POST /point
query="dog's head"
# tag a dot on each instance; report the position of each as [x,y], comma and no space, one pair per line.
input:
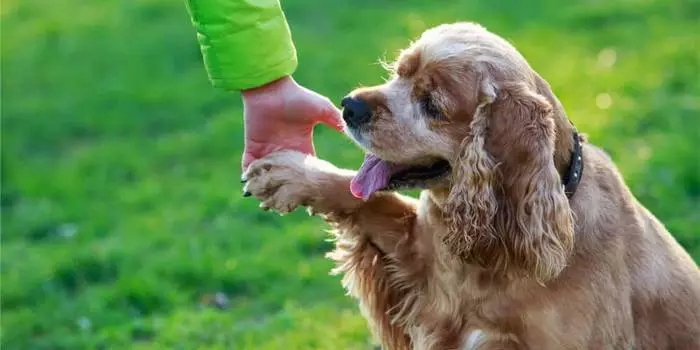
[463,110]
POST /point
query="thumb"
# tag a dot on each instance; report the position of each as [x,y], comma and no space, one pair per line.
[246,160]
[332,117]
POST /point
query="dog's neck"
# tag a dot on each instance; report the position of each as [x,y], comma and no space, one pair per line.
[438,196]
[564,144]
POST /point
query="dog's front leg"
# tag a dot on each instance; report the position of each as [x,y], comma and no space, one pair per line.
[285,180]
[375,240]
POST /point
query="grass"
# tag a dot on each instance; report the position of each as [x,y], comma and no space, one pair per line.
[122,220]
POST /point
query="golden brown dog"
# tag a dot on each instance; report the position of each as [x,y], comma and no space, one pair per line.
[525,237]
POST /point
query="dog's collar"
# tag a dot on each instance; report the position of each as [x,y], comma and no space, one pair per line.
[575,171]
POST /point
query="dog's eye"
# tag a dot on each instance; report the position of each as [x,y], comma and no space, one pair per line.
[431,109]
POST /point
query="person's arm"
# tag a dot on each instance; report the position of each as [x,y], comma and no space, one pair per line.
[247,47]
[245,43]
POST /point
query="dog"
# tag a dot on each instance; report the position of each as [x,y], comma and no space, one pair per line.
[525,235]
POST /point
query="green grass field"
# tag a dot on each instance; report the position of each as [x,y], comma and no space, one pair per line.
[123,224]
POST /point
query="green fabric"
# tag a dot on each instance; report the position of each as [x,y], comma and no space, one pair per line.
[245,43]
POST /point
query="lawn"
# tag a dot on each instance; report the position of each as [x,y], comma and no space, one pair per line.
[123,224]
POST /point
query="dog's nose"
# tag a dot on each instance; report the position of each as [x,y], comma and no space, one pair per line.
[355,111]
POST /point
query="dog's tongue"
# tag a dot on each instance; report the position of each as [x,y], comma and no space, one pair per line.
[374,174]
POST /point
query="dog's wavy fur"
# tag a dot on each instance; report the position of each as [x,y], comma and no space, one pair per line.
[498,257]
[528,212]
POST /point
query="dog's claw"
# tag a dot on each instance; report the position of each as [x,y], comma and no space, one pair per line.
[246,193]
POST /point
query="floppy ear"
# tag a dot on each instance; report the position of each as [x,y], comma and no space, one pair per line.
[471,205]
[514,212]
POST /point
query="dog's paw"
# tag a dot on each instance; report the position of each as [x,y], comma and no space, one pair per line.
[284,180]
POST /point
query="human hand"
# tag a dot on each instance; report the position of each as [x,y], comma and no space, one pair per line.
[281,115]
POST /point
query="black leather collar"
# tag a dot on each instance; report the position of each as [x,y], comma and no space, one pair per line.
[575,171]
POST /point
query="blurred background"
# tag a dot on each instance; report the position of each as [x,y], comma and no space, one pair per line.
[123,224]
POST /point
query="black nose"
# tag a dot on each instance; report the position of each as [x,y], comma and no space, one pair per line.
[355,111]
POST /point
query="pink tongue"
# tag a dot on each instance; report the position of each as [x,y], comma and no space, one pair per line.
[374,174]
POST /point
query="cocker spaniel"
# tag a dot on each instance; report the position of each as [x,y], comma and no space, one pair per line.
[525,236]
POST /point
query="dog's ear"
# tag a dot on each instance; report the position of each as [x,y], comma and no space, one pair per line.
[507,199]
[471,205]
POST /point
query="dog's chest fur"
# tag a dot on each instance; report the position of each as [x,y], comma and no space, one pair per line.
[461,306]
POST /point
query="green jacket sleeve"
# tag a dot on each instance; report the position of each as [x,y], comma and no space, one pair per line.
[245,43]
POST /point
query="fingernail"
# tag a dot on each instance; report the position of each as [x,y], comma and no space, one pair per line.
[247,194]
